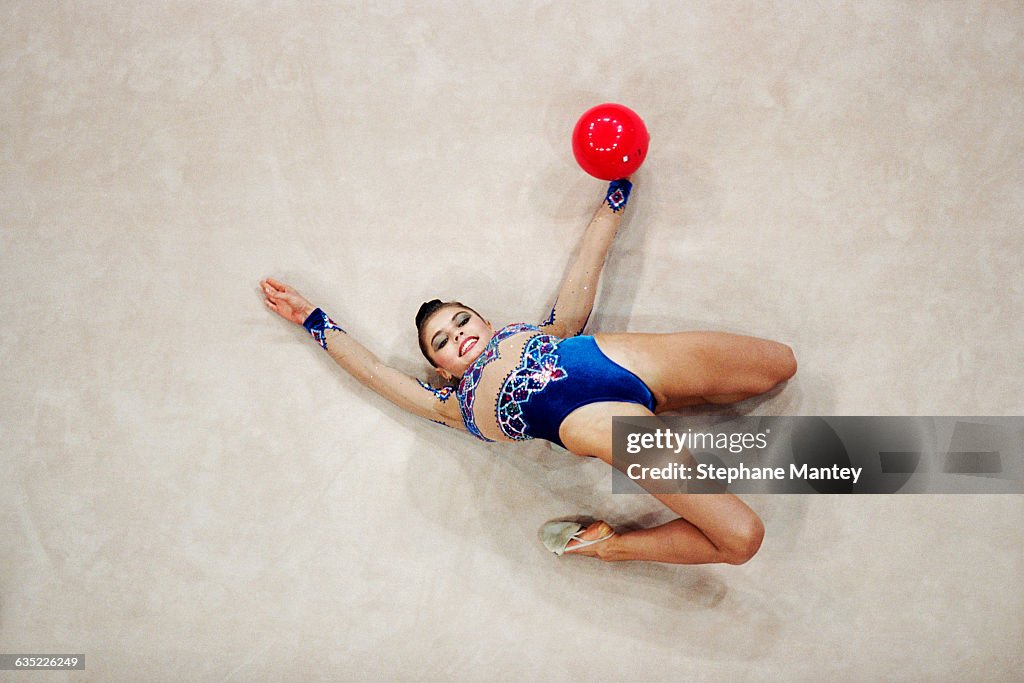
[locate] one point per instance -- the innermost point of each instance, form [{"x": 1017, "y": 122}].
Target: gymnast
[{"x": 549, "y": 381}]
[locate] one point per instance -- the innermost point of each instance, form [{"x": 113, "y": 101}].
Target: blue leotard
[{"x": 554, "y": 377}]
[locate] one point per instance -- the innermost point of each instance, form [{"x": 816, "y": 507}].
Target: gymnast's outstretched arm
[
  {"x": 575, "y": 299},
  {"x": 401, "y": 389}
]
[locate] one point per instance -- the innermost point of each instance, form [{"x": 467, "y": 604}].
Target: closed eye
[{"x": 460, "y": 320}]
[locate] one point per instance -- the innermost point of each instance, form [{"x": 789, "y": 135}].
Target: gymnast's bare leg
[{"x": 681, "y": 369}]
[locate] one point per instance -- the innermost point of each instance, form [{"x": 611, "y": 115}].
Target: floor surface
[{"x": 193, "y": 491}]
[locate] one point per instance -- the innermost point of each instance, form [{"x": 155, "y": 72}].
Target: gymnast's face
[{"x": 456, "y": 336}]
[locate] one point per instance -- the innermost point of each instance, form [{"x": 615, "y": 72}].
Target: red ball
[{"x": 610, "y": 141}]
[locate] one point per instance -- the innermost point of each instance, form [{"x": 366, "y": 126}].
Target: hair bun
[{"x": 426, "y": 308}]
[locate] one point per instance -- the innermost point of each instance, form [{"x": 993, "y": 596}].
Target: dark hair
[{"x": 427, "y": 309}]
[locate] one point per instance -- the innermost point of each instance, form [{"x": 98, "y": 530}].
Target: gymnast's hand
[{"x": 285, "y": 301}]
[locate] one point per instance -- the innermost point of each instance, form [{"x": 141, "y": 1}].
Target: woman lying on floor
[{"x": 549, "y": 381}]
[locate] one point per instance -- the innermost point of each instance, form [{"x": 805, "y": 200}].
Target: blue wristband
[
  {"x": 317, "y": 325},
  {"x": 618, "y": 194}
]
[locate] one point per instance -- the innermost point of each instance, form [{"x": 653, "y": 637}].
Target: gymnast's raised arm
[
  {"x": 401, "y": 389},
  {"x": 575, "y": 299}
]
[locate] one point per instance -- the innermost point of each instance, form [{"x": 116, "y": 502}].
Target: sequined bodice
[{"x": 503, "y": 376}]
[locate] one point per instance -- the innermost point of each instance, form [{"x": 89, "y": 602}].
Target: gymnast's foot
[{"x": 591, "y": 533}]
